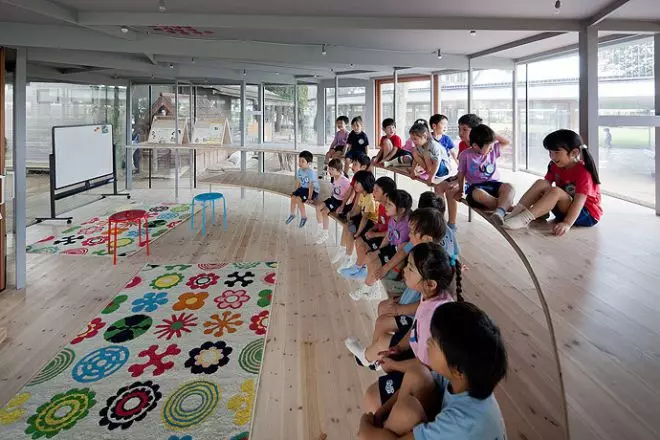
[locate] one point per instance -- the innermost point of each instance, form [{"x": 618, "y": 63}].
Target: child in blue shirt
[
  {"x": 467, "y": 359},
  {"x": 307, "y": 187}
]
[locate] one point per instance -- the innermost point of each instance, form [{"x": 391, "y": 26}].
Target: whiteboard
[{"x": 82, "y": 152}]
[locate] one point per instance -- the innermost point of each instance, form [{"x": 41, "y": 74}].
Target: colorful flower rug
[
  {"x": 175, "y": 355},
  {"x": 91, "y": 237}
]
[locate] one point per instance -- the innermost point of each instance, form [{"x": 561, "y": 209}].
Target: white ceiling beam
[
  {"x": 605, "y": 12},
  {"x": 151, "y": 58},
  {"x": 573, "y": 48},
  {"x": 283, "y": 22},
  {"x": 632, "y": 26},
  {"x": 514, "y": 44},
  {"x": 65, "y": 37},
  {"x": 37, "y": 72},
  {"x": 144, "y": 68},
  {"x": 45, "y": 7}
]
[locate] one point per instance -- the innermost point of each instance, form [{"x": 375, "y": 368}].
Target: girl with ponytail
[{"x": 574, "y": 199}]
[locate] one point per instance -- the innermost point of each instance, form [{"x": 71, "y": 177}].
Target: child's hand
[
  {"x": 561, "y": 228},
  {"x": 458, "y": 196},
  {"x": 389, "y": 308},
  {"x": 366, "y": 420},
  {"x": 379, "y": 274},
  {"x": 369, "y": 235},
  {"x": 388, "y": 364}
]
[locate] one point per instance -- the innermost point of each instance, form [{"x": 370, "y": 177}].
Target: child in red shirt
[
  {"x": 389, "y": 144},
  {"x": 575, "y": 198}
]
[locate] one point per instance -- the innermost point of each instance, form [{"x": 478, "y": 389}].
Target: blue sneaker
[
  {"x": 290, "y": 219},
  {"x": 347, "y": 272},
  {"x": 302, "y": 222}
]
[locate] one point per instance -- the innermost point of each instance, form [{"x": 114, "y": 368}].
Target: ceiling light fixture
[
  {"x": 193, "y": 60},
  {"x": 244, "y": 73},
  {"x": 171, "y": 65},
  {"x": 162, "y": 7},
  {"x": 351, "y": 65},
  {"x": 439, "y": 54},
  {"x": 323, "y": 50},
  {"x": 124, "y": 29},
  {"x": 473, "y": 33},
  {"x": 557, "y": 6}
]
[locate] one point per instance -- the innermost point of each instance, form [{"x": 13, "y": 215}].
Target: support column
[
  {"x": 469, "y": 90},
  {"x": 370, "y": 109},
  {"x": 588, "y": 54},
  {"x": 261, "y": 155},
  {"x": 527, "y": 116},
  {"x": 395, "y": 82},
  {"x": 295, "y": 115},
  {"x": 657, "y": 129},
  {"x": 20, "y": 171},
  {"x": 337, "y": 98},
  {"x": 243, "y": 125},
  {"x": 320, "y": 114},
  {"x": 177, "y": 140},
  {"x": 129, "y": 136},
  {"x": 514, "y": 119}
]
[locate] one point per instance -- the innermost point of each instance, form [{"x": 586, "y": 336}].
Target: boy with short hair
[
  {"x": 339, "y": 142},
  {"x": 307, "y": 187},
  {"x": 389, "y": 144},
  {"x": 361, "y": 163},
  {"x": 478, "y": 167},
  {"x": 438, "y": 125},
  {"x": 468, "y": 359},
  {"x": 465, "y": 124},
  {"x": 356, "y": 143}
]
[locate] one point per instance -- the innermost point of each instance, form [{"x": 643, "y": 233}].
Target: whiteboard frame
[{"x": 110, "y": 177}]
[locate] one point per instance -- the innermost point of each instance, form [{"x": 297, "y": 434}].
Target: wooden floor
[{"x": 603, "y": 295}]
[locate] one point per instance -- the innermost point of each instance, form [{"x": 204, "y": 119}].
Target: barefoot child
[
  {"x": 362, "y": 216},
  {"x": 454, "y": 400},
  {"x": 575, "y": 198},
  {"x": 340, "y": 186},
  {"x": 339, "y": 142},
  {"x": 478, "y": 167},
  {"x": 398, "y": 204},
  {"x": 357, "y": 142},
  {"x": 307, "y": 187},
  {"x": 389, "y": 144}
]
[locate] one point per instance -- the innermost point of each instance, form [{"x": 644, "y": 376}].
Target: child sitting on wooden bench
[
  {"x": 307, "y": 187},
  {"x": 477, "y": 166}
]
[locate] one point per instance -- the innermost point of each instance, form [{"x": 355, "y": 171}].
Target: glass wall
[
  {"x": 351, "y": 102},
  {"x": 521, "y": 73},
  {"x": 278, "y": 113},
  {"x": 413, "y": 101},
  {"x": 626, "y": 88},
  {"x": 453, "y": 99},
  {"x": 308, "y": 117}
]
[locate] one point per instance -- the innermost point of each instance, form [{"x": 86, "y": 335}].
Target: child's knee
[
  {"x": 406, "y": 413},
  {"x": 371, "y": 401},
  {"x": 507, "y": 187},
  {"x": 381, "y": 308}
]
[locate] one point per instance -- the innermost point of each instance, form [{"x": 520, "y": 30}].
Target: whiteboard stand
[{"x": 69, "y": 185}]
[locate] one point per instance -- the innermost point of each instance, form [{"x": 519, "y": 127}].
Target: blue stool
[{"x": 204, "y": 198}]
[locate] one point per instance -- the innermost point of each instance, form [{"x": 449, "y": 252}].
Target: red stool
[{"x": 129, "y": 218}]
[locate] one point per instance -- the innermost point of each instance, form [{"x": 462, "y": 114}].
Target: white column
[
  {"x": 370, "y": 109},
  {"x": 243, "y": 125},
  {"x": 337, "y": 98},
  {"x": 320, "y": 114},
  {"x": 177, "y": 140},
  {"x": 588, "y": 54},
  {"x": 657, "y": 129},
  {"x": 20, "y": 148},
  {"x": 432, "y": 89},
  {"x": 129, "y": 136},
  {"x": 295, "y": 115},
  {"x": 514, "y": 119},
  {"x": 260, "y": 97},
  {"x": 469, "y": 97},
  {"x": 395, "y": 79}
]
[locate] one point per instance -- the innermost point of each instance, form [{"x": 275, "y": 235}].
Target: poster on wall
[{"x": 213, "y": 131}]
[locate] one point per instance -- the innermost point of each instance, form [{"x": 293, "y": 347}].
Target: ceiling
[{"x": 277, "y": 41}]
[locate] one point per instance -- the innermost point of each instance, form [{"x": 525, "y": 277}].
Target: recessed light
[
  {"x": 324, "y": 50},
  {"x": 162, "y": 7},
  {"x": 473, "y": 33},
  {"x": 124, "y": 29},
  {"x": 171, "y": 65}
]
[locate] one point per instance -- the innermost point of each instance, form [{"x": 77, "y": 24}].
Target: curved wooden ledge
[{"x": 280, "y": 184}]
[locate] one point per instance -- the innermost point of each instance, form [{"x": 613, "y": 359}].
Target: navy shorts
[
  {"x": 303, "y": 193},
  {"x": 492, "y": 188},
  {"x": 332, "y": 204},
  {"x": 374, "y": 243},
  {"x": 584, "y": 218},
  {"x": 340, "y": 148},
  {"x": 354, "y": 154},
  {"x": 391, "y": 382},
  {"x": 386, "y": 253},
  {"x": 403, "y": 323}
]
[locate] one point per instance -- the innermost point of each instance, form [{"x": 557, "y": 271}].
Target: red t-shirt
[
  {"x": 577, "y": 180},
  {"x": 396, "y": 141},
  {"x": 462, "y": 146},
  {"x": 381, "y": 226}
]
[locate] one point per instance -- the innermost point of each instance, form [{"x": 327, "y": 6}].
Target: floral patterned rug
[
  {"x": 91, "y": 237},
  {"x": 175, "y": 355}
]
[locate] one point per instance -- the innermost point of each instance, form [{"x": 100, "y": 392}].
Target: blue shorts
[
  {"x": 492, "y": 188},
  {"x": 303, "y": 193},
  {"x": 584, "y": 218}
]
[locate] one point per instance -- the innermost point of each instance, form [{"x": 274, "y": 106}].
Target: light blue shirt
[
  {"x": 307, "y": 176},
  {"x": 450, "y": 245},
  {"x": 463, "y": 418},
  {"x": 409, "y": 296}
]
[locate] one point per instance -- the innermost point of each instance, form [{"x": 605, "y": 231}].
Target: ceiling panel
[
  {"x": 10, "y": 13},
  {"x": 389, "y": 8},
  {"x": 639, "y": 10},
  {"x": 541, "y": 46}
]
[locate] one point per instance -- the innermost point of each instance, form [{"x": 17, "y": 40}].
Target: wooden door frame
[{"x": 379, "y": 82}]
